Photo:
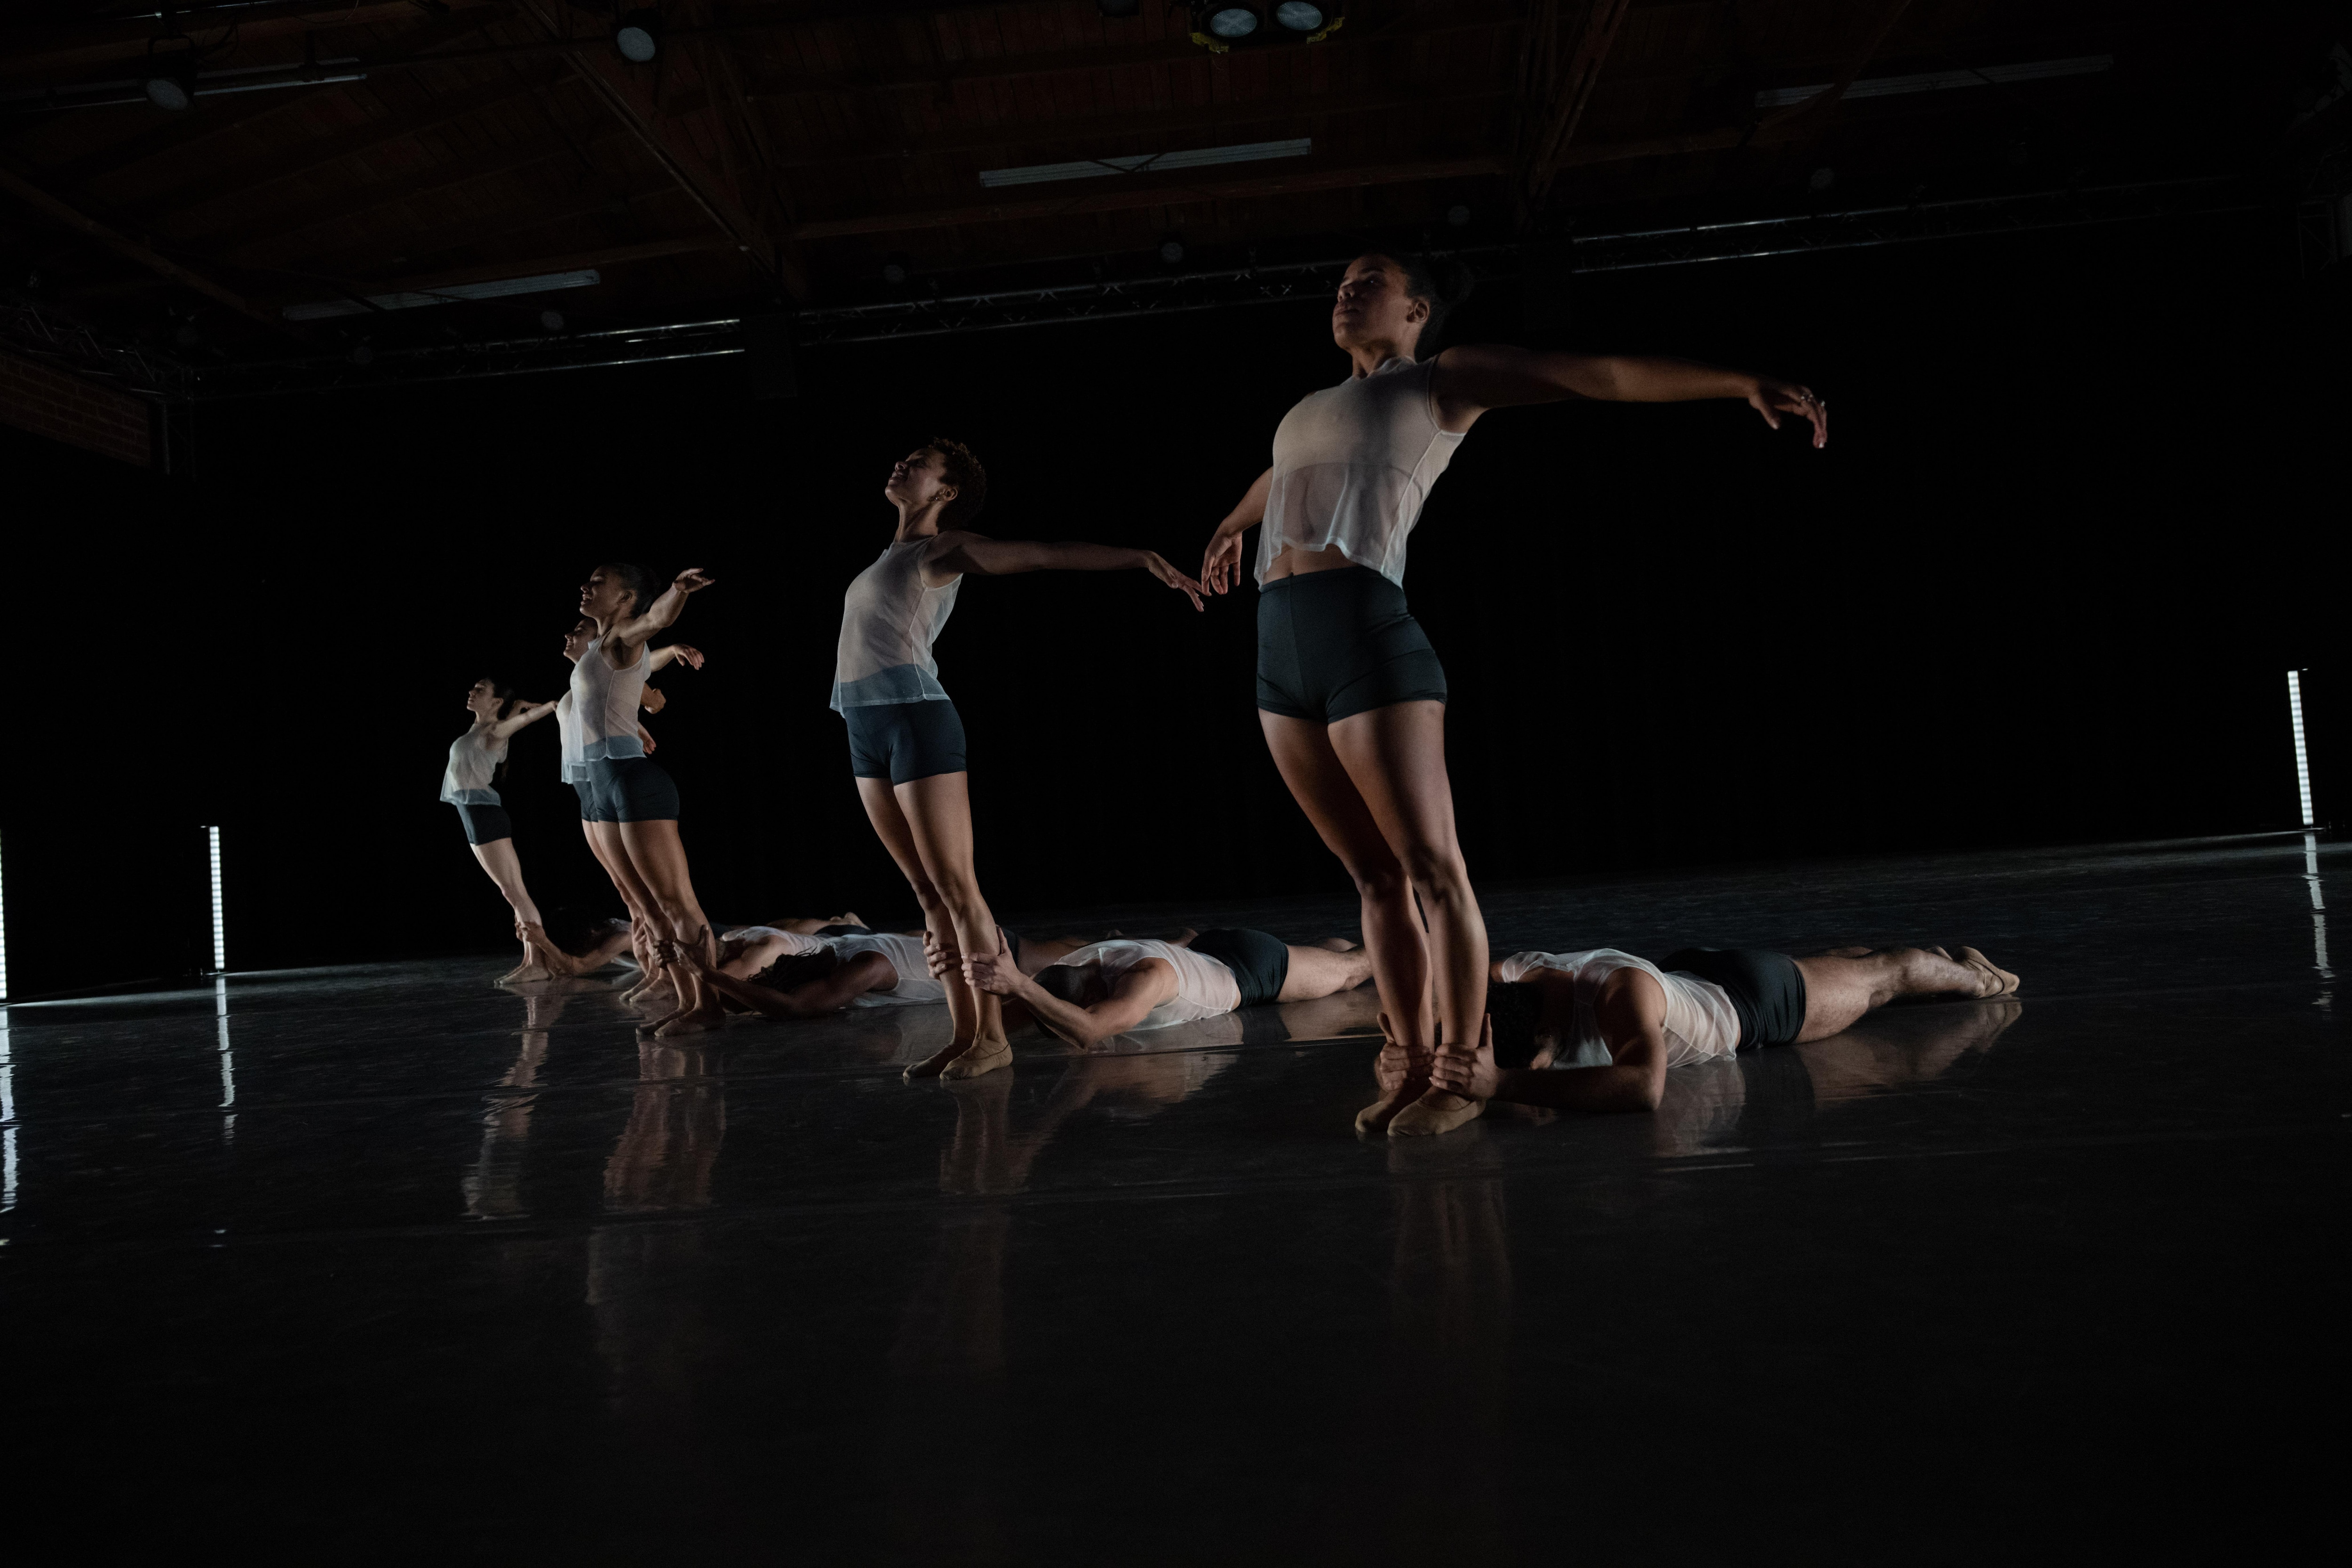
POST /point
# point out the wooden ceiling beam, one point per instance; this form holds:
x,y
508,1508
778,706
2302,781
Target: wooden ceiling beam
x,y
539,266
1126,192
313,155
1563,80
1132,128
122,245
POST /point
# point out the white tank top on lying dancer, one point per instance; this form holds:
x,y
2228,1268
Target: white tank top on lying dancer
x,y
915,988
1205,986
474,758
1701,1024
888,620
791,943
1352,465
604,703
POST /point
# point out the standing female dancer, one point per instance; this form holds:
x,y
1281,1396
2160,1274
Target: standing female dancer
x,y
628,788
906,739
1350,693
601,829
466,784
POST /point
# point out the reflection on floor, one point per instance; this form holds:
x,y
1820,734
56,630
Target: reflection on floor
x,y
390,1253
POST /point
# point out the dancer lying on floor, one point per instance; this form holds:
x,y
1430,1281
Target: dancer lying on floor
x,y
1112,987
1599,1029
786,974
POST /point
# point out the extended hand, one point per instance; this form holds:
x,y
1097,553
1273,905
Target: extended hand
x,y
690,657
994,973
692,580
652,700
1221,563
1773,398
1159,567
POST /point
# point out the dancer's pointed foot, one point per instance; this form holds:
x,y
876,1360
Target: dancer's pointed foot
x,y
1439,1111
985,1056
1375,1118
1402,1073
530,969
551,958
692,1021
1997,982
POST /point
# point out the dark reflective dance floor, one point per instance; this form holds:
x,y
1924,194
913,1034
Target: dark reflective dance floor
x,y
337,1264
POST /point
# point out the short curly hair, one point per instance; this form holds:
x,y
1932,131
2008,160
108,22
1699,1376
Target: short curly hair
x,y
961,469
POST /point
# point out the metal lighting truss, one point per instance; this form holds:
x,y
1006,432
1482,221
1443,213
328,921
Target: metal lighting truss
x,y
455,358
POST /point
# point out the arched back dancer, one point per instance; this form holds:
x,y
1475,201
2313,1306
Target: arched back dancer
x,y
628,788
475,760
906,739
1350,693
603,830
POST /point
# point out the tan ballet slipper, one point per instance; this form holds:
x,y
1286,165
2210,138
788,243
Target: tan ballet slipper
x,y
984,1056
1395,1070
1439,1111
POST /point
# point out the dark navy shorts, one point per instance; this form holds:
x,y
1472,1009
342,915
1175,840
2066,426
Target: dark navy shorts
x,y
1334,644
904,741
631,789
486,824
591,809
1259,962
1767,989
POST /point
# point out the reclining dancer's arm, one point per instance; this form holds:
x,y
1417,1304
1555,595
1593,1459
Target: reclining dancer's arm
x,y
1132,997
1631,1014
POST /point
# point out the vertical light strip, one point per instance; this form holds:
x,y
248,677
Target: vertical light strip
x,y
2301,762
220,929
8,1123
228,1065
2318,912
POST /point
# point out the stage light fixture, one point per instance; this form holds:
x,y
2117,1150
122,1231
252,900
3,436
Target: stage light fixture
x,y
1458,216
1219,26
1232,23
894,271
552,320
1298,17
637,36
1822,179
364,356
1171,250
220,924
170,82
2301,759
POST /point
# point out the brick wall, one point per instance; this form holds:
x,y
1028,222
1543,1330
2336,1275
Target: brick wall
x,y
67,409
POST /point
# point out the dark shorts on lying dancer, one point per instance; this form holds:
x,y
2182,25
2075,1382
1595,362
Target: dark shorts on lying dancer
x,y
902,741
485,822
1260,962
1334,644
1766,989
627,789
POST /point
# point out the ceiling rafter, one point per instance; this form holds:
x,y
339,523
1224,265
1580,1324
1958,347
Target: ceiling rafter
x,y
122,245
1561,64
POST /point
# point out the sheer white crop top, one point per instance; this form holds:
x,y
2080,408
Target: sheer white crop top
x,y
1204,987
474,757
1701,1024
1352,465
915,985
889,619
604,703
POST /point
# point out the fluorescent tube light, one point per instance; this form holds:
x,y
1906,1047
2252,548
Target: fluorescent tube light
x,y
2302,761
220,928
546,282
1938,81
1192,158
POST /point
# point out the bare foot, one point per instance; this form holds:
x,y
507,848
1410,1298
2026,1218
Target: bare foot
x,y
936,1063
1439,1111
525,971
1997,982
550,957
985,1056
689,1023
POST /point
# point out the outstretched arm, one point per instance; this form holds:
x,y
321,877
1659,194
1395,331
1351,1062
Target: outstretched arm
x,y
1472,379
1137,992
866,971
1631,1014
513,723
988,557
1221,563
663,656
663,612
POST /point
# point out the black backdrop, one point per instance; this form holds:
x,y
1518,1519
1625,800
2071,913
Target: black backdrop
x,y
2043,586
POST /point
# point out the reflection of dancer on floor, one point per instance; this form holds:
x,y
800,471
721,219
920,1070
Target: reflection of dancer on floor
x,y
1112,987
598,827
1350,694
906,739
1600,1028
476,759
627,788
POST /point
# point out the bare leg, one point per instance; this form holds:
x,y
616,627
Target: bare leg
x,y
1839,991
888,815
644,920
938,812
1392,935
497,857
1319,971
658,855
